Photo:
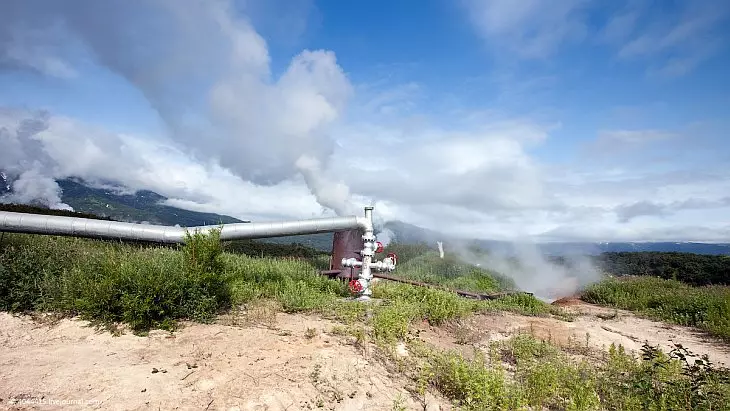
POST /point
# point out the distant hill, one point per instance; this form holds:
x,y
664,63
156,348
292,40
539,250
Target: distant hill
x,y
143,206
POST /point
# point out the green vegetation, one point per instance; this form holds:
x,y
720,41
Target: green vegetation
x,y
523,372
149,287
22,208
693,269
420,263
707,308
154,287
255,248
107,283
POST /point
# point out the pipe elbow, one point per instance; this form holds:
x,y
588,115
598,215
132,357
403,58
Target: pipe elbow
x,y
365,224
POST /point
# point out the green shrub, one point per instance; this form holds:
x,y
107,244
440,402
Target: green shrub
x,y
144,287
522,372
472,383
449,272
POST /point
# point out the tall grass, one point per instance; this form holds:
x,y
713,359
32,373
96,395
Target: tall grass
x,y
149,287
706,307
524,373
144,287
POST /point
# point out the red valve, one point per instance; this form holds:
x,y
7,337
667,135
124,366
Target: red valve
x,y
355,286
378,247
394,257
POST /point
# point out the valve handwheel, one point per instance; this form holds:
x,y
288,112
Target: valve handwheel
x,y
355,286
394,257
378,247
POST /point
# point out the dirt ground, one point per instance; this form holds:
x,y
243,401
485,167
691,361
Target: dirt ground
x,y
293,363
593,327
69,365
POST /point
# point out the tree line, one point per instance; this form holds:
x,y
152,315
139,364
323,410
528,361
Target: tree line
x,y
695,269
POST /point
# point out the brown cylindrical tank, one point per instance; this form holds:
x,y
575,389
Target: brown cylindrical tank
x,y
346,244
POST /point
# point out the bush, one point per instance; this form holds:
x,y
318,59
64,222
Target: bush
x,y
149,286
144,287
522,372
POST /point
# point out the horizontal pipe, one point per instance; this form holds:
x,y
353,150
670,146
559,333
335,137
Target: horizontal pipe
x,y
115,230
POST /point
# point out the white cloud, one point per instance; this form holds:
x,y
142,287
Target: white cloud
x,y
529,28
245,143
672,41
485,185
48,147
206,71
677,43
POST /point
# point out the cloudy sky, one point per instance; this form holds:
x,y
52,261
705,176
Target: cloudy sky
x,y
554,120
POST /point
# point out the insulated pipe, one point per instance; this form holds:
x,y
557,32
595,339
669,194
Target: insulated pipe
x,y
114,230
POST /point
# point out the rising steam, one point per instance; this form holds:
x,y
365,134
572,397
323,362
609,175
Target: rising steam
x,y
531,271
206,72
335,196
386,236
27,169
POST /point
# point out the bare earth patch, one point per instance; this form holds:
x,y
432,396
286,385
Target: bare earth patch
x,y
293,362
295,365
593,328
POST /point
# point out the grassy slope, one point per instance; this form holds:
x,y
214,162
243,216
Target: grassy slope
x,y
707,307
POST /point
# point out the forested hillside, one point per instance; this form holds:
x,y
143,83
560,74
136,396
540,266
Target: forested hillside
x,y
694,269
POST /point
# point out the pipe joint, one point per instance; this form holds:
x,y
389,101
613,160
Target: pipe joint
x,y
367,252
351,262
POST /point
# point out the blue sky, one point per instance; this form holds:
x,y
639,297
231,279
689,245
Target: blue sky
x,y
560,120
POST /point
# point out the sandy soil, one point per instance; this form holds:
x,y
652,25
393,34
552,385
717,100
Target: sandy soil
x,y
69,365
593,327
281,366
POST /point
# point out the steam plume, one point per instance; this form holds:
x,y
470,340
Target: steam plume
x,y
385,236
205,70
533,272
335,196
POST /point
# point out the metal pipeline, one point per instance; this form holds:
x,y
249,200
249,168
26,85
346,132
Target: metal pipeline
x,y
114,230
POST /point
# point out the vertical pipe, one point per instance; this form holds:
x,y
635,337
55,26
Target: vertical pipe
x,y
368,252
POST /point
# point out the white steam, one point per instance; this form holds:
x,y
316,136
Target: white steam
x,y
27,169
440,245
207,73
332,195
531,271
386,236
32,187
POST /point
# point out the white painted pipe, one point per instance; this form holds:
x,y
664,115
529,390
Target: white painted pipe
x,y
114,230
